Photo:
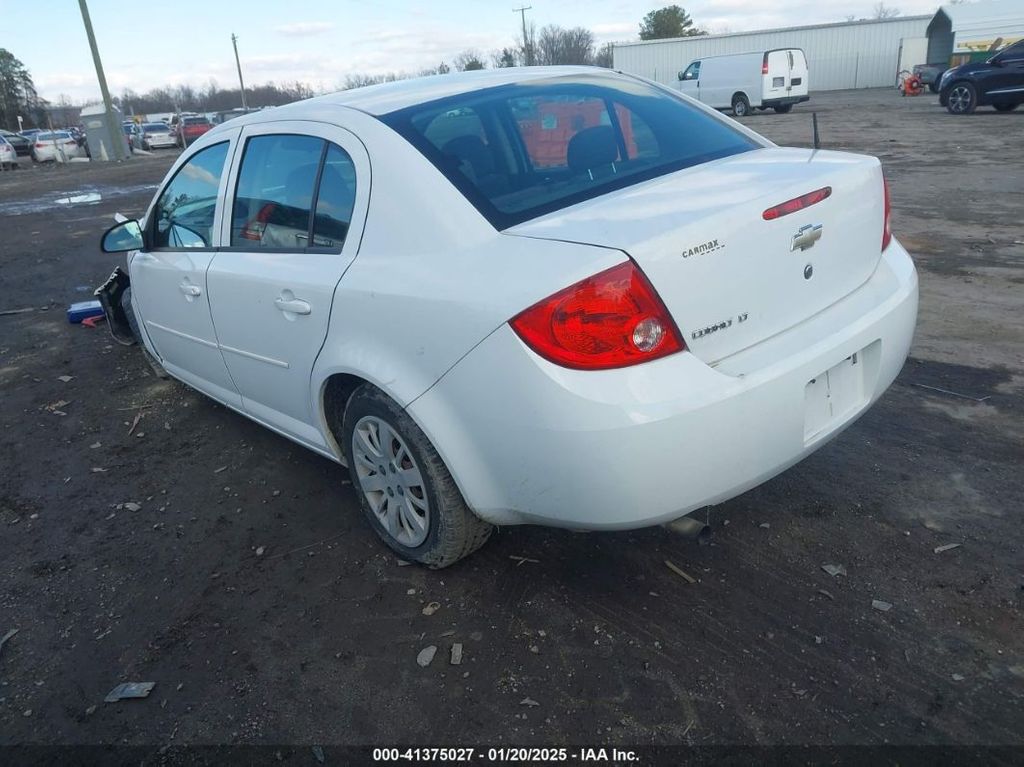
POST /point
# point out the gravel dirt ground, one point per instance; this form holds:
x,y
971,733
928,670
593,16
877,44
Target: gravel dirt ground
x,y
249,588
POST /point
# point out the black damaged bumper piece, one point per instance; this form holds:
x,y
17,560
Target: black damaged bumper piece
x,y
110,294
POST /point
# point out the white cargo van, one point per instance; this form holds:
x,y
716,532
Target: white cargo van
x,y
745,81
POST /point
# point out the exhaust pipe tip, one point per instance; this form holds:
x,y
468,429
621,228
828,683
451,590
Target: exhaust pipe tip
x,y
689,528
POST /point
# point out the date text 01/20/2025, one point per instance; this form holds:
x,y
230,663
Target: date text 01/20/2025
x,y
504,754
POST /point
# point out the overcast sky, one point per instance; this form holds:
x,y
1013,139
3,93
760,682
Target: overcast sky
x,y
318,42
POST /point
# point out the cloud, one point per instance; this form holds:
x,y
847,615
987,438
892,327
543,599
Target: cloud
x,y
614,29
304,28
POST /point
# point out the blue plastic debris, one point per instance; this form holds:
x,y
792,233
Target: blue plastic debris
x,y
83,310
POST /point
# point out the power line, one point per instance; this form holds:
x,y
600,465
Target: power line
x,y
527,48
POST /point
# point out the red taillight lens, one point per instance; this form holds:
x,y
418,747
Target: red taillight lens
x,y
764,65
40,145
797,203
886,228
610,320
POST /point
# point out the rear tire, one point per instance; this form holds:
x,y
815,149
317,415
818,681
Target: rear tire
x,y
740,105
404,488
783,108
962,99
1005,107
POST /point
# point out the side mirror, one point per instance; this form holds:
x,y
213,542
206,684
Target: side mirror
x,y
121,237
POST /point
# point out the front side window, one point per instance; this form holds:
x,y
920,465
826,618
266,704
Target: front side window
x,y
536,147
183,216
692,72
274,196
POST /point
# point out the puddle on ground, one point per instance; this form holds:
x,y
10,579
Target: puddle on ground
x,y
79,198
70,198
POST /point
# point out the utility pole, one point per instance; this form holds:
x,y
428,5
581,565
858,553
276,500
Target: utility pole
x,y
241,83
117,144
527,47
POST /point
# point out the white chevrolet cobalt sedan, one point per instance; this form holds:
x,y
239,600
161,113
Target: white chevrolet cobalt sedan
x,y
556,296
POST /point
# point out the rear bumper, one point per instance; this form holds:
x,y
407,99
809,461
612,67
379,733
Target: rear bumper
x,y
530,442
784,101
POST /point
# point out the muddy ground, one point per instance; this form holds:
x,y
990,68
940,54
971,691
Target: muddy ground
x,y
314,641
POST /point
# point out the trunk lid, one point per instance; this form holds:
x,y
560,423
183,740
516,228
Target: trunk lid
x,y
729,278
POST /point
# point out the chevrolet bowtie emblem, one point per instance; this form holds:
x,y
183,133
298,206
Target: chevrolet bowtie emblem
x,y
806,236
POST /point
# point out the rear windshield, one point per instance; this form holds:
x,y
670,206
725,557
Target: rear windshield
x,y
196,121
52,136
519,151
154,128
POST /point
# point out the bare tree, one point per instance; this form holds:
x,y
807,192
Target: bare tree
x,y
882,11
526,47
504,58
556,45
468,60
604,56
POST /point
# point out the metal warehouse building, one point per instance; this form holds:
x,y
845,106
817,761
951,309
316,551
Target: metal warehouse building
x,y
856,54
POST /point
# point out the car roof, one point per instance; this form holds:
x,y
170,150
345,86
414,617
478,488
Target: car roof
x,y
382,99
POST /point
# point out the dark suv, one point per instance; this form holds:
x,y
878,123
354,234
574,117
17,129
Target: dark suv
x,y
998,82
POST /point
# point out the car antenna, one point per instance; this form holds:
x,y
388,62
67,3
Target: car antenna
x,y
814,123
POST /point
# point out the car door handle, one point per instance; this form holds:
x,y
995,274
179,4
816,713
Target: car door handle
x,y
295,306
192,291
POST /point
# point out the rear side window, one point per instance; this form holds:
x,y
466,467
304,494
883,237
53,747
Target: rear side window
x,y
283,179
183,216
520,151
275,191
335,199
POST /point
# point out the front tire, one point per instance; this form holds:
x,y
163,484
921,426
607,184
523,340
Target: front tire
x,y
740,105
962,99
403,486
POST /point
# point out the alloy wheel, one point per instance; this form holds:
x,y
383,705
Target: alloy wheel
x,y
960,99
391,481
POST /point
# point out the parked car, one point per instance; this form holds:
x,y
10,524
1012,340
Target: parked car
x,y
22,145
156,135
930,74
188,129
997,82
8,155
597,320
48,146
775,79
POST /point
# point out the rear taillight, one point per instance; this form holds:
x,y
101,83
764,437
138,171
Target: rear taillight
x,y
40,145
610,320
764,65
797,203
886,228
